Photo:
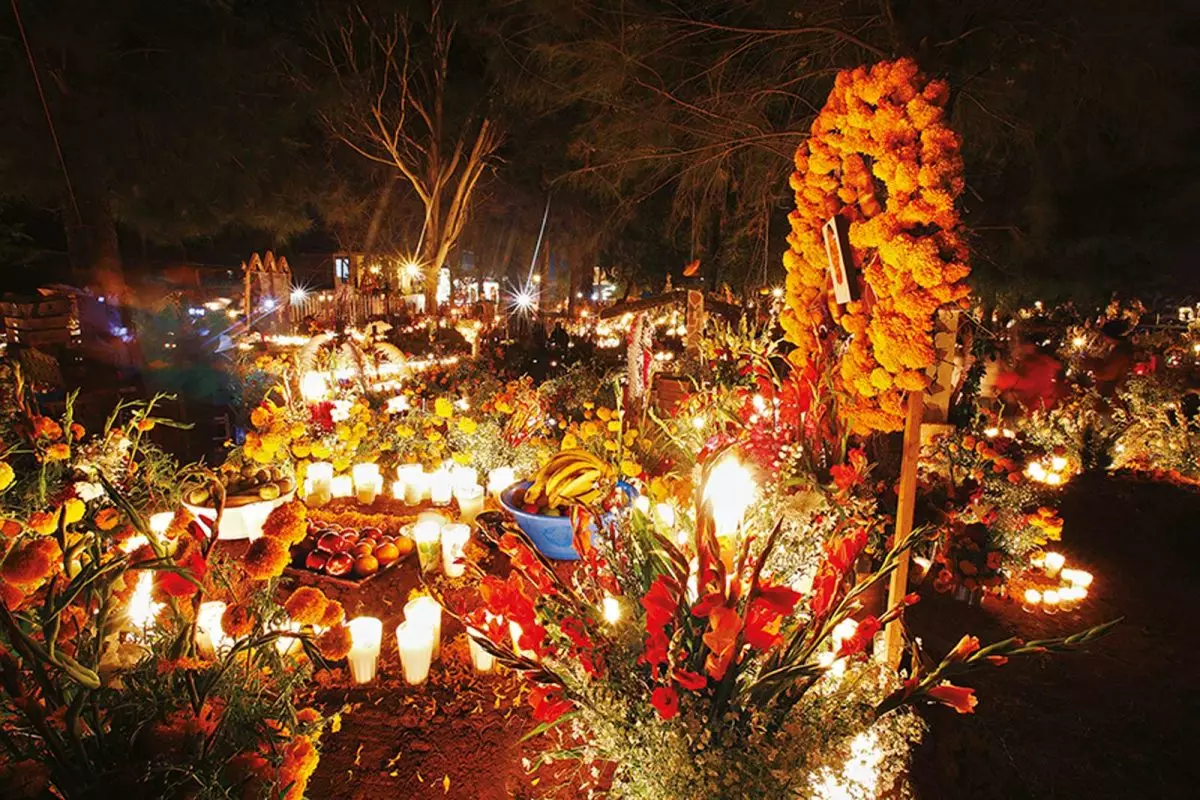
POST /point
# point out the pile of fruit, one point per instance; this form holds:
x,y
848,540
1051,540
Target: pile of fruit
x,y
569,477
244,485
339,552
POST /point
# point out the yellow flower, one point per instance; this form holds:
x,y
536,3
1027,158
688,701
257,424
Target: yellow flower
x,y
260,417
301,449
462,458
341,464
614,426
630,469
569,442
504,407
467,425
405,432
6,475
588,429
610,446
74,509
342,432
58,452
297,430
605,414
320,450
44,522
443,408
433,435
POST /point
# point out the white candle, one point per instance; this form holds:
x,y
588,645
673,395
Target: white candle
x,y
209,634
427,612
464,476
366,635
441,487
415,484
611,608
1031,600
454,546
426,535
368,489
398,490
415,643
1052,563
1050,601
313,387
321,474
664,517
729,491
470,502
642,504
500,479
342,486
1077,577
160,522
481,658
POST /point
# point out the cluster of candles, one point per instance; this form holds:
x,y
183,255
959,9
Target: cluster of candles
x,y
1071,592
1053,472
440,541
413,485
418,641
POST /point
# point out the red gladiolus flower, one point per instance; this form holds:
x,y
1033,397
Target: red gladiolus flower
x,y
690,680
723,627
780,599
707,604
965,647
548,704
661,602
960,698
762,625
862,636
666,702
824,587
191,559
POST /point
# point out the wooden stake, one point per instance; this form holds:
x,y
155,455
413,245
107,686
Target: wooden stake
x,y
898,585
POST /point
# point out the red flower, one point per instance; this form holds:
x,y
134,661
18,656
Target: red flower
x,y
524,559
656,651
548,704
780,599
707,604
824,588
690,680
188,557
724,625
321,415
842,553
965,647
863,634
762,626
666,702
661,602
960,698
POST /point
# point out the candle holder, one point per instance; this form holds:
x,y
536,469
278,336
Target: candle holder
x,y
470,502
342,486
427,612
1050,600
454,545
415,645
1031,600
366,635
481,658
426,534
441,487
1052,564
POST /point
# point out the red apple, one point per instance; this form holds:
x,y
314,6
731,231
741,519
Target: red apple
x,y
339,565
316,560
362,549
372,532
351,537
331,542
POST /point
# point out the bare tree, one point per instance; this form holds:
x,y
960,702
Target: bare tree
x,y
393,75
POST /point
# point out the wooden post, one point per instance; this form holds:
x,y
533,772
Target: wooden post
x,y
694,320
898,585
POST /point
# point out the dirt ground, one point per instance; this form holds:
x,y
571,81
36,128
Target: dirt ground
x,y
1115,722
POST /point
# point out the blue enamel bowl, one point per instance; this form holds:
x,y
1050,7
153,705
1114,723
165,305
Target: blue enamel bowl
x,y
550,535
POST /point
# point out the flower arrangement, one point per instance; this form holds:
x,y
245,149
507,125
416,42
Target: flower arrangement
x,y
697,673
881,155
118,671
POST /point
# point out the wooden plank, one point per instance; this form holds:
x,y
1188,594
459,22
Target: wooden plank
x,y
898,585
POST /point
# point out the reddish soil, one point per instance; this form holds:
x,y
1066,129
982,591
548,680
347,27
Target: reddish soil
x,y
1114,722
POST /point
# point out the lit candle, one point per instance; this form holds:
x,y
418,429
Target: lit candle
x,y
470,502
369,489
342,486
515,631
1079,578
612,609
642,504
454,545
1032,599
500,479
664,517
426,535
729,492
415,643
464,476
398,490
320,473
1052,563
481,658
209,635
1050,601
143,610
441,487
160,522
313,387
366,636
426,612
1067,598
415,484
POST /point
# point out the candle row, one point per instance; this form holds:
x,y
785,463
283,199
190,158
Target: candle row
x,y
440,541
413,485
418,641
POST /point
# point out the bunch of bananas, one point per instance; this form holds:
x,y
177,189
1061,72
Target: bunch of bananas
x,y
570,475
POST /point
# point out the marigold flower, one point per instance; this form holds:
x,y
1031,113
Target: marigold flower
x,y
237,622
44,522
443,408
467,425
58,452
107,518
333,616
31,563
306,605
265,558
335,643
46,428
288,522
300,760
145,425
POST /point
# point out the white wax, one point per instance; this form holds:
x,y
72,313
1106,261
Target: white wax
x,y
441,487
426,612
342,486
454,544
481,658
415,644
366,635
426,535
470,502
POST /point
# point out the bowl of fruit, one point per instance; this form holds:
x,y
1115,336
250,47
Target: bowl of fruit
x,y
541,507
349,555
252,492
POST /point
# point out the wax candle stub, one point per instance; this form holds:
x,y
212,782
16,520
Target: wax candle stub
x,y
415,644
366,636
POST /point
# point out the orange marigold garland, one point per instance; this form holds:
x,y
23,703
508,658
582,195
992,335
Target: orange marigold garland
x,y
881,155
